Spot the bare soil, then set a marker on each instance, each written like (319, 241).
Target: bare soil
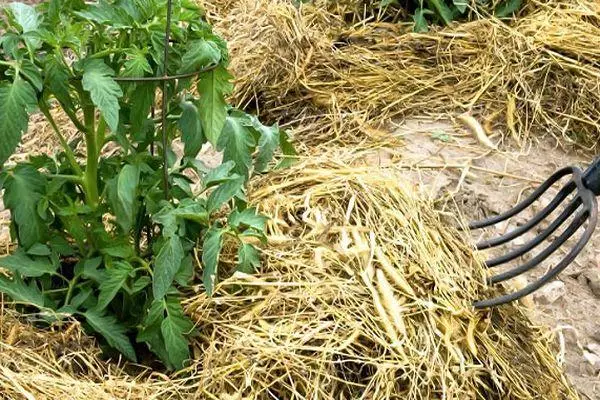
(447, 161)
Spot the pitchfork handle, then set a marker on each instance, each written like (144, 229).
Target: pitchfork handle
(591, 177)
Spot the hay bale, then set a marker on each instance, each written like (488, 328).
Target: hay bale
(364, 293)
(306, 67)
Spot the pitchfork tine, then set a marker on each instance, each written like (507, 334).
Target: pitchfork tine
(525, 203)
(511, 273)
(519, 251)
(564, 192)
(588, 187)
(564, 263)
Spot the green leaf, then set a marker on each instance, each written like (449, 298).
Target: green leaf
(56, 79)
(112, 331)
(237, 144)
(21, 263)
(461, 5)
(421, 24)
(16, 100)
(220, 174)
(21, 292)
(191, 210)
(32, 74)
(147, 9)
(507, 8)
(267, 144)
(157, 40)
(173, 329)
(213, 242)
(53, 15)
(181, 187)
(151, 324)
(91, 271)
(441, 136)
(191, 129)
(166, 265)
(153, 328)
(127, 185)
(10, 43)
(168, 217)
(39, 249)
(26, 16)
(224, 192)
(248, 258)
(104, 90)
(186, 271)
(116, 276)
(105, 12)
(288, 150)
(442, 10)
(140, 284)
(254, 233)
(150, 332)
(136, 65)
(141, 104)
(175, 312)
(214, 86)
(23, 189)
(201, 53)
(118, 250)
(42, 210)
(269, 138)
(80, 298)
(61, 246)
(248, 217)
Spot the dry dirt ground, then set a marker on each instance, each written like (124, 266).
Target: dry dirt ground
(446, 160)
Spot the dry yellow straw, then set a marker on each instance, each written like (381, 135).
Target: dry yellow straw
(305, 66)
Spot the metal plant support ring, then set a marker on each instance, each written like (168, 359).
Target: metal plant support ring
(165, 78)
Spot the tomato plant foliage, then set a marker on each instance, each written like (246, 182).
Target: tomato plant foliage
(424, 13)
(101, 237)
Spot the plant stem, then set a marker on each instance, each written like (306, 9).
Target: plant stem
(108, 52)
(63, 142)
(70, 291)
(55, 290)
(73, 118)
(91, 168)
(100, 135)
(144, 265)
(71, 178)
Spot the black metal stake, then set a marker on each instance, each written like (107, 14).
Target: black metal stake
(164, 101)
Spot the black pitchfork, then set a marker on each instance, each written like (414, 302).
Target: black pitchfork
(587, 186)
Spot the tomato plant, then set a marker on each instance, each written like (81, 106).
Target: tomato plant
(109, 237)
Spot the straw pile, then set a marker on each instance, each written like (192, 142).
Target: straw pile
(307, 67)
(364, 292)
(63, 363)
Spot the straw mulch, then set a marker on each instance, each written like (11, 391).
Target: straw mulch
(63, 363)
(364, 292)
(332, 80)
